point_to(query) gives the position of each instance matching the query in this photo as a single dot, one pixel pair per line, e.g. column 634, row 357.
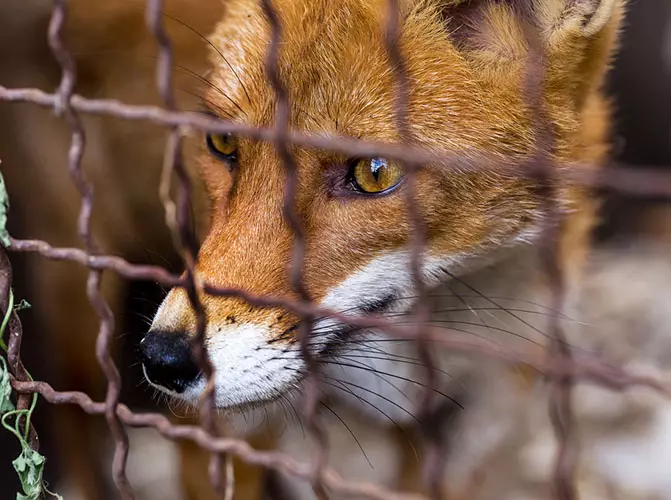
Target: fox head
column 466, row 61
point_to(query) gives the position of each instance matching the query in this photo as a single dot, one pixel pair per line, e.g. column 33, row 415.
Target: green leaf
column 4, row 210
column 29, row 466
column 5, row 389
column 24, row 304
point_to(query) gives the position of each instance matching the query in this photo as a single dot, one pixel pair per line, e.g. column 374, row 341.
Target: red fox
column 467, row 63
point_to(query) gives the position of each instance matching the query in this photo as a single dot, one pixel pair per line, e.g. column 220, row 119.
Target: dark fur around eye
column 339, row 182
column 230, row 159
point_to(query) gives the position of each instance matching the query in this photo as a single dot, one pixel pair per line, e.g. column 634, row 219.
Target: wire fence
column 557, row 364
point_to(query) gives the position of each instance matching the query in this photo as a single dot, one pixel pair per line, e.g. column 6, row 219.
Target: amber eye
column 223, row 146
column 376, row 175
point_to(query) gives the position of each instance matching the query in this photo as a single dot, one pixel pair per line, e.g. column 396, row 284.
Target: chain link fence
column 558, row 364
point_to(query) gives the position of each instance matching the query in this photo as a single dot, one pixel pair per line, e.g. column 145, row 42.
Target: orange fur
column 467, row 63
column 465, row 98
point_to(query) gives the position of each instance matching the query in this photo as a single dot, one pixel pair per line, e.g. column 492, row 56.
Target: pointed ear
column 554, row 17
column 556, row 20
column 579, row 17
column 577, row 35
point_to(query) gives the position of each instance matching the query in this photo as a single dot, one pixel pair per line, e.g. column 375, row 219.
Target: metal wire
column 291, row 215
column 541, row 167
column 429, row 414
column 102, row 309
column 178, row 220
column 558, row 365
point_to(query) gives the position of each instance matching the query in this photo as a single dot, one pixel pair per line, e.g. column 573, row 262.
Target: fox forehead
column 334, row 62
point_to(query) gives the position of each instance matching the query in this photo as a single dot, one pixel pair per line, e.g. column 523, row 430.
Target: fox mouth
column 194, row 395
column 250, row 370
column 338, row 335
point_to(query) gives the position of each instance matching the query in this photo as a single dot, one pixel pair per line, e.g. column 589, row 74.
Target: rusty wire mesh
column 559, row 366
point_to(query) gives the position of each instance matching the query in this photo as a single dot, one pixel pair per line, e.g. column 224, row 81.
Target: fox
column 467, row 63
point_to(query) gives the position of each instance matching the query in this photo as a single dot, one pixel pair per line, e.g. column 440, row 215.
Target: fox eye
column 375, row 175
column 223, row 146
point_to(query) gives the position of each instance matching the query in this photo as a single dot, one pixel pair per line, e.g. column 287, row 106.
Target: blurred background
column 640, row 86
column 115, row 58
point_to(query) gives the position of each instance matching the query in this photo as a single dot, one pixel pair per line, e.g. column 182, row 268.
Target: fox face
column 466, row 62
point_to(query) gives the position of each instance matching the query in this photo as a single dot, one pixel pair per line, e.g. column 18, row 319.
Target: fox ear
column 477, row 22
column 577, row 37
column 580, row 17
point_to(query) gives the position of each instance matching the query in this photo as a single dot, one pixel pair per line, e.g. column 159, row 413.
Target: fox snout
column 167, row 361
column 253, row 357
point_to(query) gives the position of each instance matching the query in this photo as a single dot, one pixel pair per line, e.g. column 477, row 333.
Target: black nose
column 166, row 357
